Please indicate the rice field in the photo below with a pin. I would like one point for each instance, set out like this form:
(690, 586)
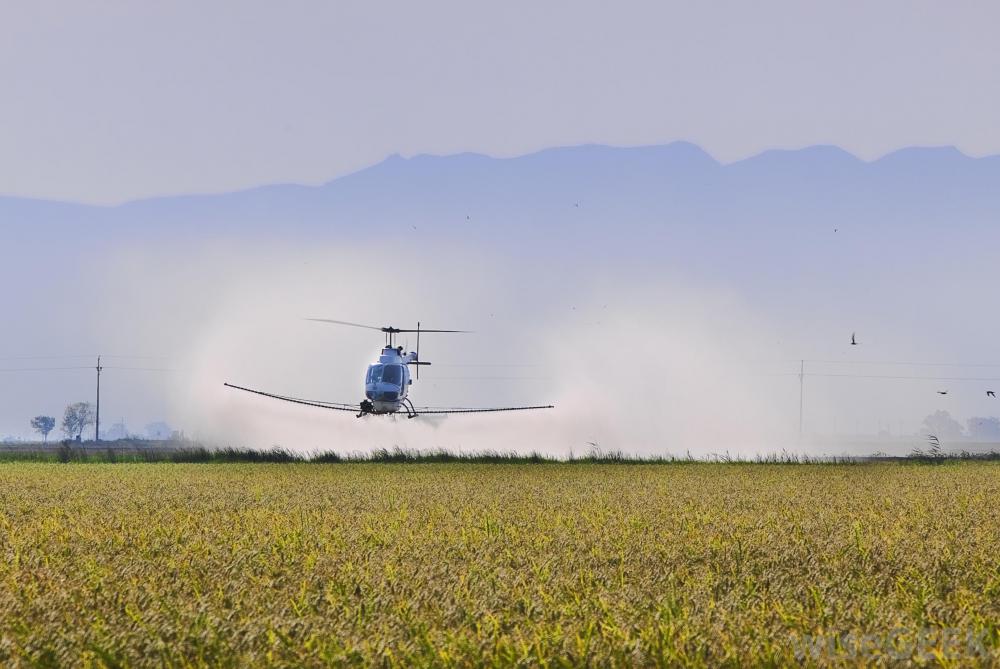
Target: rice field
(499, 565)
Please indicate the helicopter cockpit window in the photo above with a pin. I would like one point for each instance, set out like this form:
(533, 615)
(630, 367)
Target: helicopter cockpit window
(392, 374)
(374, 374)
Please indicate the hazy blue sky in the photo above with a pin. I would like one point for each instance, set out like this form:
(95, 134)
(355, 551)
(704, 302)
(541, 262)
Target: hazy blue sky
(106, 101)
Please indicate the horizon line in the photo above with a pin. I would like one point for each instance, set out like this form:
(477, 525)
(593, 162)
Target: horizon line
(563, 147)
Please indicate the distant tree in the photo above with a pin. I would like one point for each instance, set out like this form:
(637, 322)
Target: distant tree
(941, 423)
(43, 425)
(115, 432)
(77, 417)
(985, 428)
(158, 430)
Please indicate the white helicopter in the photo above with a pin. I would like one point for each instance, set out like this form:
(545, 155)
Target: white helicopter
(388, 381)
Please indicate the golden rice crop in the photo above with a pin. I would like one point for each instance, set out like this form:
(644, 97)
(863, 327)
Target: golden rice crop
(548, 565)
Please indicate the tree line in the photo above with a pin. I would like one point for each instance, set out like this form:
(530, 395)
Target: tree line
(77, 417)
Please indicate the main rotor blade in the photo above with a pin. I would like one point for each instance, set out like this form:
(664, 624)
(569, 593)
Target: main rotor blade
(387, 328)
(355, 325)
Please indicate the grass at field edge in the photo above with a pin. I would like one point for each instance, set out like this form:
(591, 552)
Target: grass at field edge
(135, 452)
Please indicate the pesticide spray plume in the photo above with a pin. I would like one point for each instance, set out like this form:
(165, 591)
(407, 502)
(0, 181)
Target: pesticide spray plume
(637, 360)
(646, 370)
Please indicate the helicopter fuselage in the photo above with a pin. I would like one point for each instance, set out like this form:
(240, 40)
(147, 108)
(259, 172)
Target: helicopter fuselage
(387, 381)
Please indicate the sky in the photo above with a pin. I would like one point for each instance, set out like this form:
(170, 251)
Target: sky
(104, 102)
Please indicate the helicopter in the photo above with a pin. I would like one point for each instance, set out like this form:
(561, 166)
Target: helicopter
(388, 380)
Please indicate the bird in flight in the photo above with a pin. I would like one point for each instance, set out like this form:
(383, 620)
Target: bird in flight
(990, 393)
(854, 342)
(942, 392)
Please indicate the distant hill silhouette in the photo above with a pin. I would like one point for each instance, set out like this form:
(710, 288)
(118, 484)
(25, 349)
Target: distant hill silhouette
(819, 214)
(576, 190)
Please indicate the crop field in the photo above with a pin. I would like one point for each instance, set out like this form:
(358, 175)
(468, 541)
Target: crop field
(464, 564)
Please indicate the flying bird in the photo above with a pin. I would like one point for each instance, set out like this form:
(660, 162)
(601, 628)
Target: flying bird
(854, 342)
(942, 392)
(990, 393)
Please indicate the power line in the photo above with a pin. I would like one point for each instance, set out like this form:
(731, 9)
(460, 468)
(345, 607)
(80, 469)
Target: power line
(907, 378)
(137, 357)
(39, 369)
(42, 357)
(82, 356)
(912, 364)
(62, 369)
(881, 376)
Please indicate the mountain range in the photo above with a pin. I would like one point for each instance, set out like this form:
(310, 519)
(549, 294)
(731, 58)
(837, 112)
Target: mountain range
(565, 190)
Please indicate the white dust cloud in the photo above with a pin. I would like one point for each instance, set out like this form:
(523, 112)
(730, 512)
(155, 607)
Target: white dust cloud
(648, 367)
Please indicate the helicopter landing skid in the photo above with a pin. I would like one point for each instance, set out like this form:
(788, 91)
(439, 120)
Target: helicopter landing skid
(410, 411)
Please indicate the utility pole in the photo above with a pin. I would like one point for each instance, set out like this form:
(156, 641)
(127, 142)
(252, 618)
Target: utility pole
(97, 420)
(802, 376)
